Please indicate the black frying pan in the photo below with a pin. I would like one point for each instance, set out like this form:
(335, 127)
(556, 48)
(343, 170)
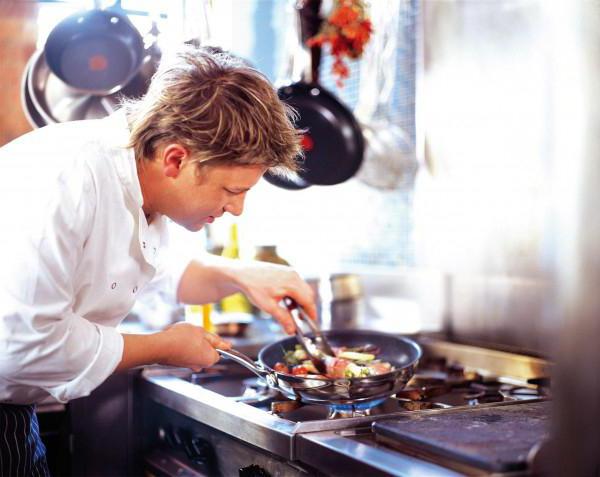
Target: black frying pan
(402, 353)
(290, 183)
(333, 144)
(97, 51)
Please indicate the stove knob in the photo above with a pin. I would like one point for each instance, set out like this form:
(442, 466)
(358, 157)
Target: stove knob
(253, 471)
(200, 451)
(172, 437)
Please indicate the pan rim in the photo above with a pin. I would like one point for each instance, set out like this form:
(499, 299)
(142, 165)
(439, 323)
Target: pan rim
(377, 377)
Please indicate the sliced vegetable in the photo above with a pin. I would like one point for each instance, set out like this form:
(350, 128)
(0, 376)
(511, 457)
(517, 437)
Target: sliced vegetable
(281, 368)
(290, 358)
(348, 363)
(356, 356)
(380, 367)
(299, 371)
(336, 367)
(310, 367)
(300, 354)
(355, 371)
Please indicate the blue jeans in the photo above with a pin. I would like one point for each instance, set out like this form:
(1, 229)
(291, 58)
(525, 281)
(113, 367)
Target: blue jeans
(22, 452)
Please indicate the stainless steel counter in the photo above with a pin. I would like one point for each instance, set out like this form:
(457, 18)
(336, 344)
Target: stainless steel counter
(264, 430)
(334, 447)
(333, 453)
(329, 451)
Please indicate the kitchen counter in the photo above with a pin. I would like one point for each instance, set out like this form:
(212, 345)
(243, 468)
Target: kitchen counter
(179, 412)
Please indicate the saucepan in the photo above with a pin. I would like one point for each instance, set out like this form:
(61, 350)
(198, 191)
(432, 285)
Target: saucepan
(402, 353)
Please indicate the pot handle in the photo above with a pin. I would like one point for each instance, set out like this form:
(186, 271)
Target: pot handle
(245, 361)
(310, 23)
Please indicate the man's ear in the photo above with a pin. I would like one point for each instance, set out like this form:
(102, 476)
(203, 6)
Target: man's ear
(172, 158)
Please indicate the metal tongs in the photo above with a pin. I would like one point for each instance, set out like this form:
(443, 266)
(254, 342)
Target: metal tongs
(317, 349)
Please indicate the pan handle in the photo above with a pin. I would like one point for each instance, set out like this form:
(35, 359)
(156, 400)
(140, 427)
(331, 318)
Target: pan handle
(250, 364)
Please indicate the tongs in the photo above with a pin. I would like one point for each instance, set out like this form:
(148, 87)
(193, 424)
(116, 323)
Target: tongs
(315, 350)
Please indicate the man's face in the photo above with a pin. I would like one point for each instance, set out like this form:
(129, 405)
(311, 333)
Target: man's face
(199, 195)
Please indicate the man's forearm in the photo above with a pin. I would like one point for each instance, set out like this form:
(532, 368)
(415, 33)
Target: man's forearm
(139, 350)
(182, 344)
(216, 276)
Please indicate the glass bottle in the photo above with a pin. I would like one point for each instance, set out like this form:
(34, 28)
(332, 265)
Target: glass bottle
(236, 303)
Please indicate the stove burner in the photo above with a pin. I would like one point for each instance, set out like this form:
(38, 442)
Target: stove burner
(408, 405)
(353, 410)
(437, 384)
(437, 381)
(256, 391)
(480, 393)
(298, 411)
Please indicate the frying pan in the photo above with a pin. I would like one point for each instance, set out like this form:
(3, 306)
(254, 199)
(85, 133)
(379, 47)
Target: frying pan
(333, 143)
(34, 118)
(294, 182)
(402, 353)
(97, 51)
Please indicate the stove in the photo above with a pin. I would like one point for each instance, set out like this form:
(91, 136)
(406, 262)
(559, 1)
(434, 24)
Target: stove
(450, 380)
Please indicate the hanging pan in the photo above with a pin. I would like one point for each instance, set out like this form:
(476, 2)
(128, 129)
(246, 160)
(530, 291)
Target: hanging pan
(97, 51)
(333, 143)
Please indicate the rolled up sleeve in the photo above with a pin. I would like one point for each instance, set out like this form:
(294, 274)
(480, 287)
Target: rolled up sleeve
(102, 355)
(66, 357)
(45, 347)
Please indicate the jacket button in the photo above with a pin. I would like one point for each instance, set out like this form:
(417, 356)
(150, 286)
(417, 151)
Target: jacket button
(114, 285)
(144, 244)
(134, 289)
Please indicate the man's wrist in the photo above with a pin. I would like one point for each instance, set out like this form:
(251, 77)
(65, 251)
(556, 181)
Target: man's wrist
(140, 350)
(161, 344)
(228, 269)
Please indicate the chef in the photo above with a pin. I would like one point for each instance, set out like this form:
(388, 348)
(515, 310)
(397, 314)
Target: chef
(84, 209)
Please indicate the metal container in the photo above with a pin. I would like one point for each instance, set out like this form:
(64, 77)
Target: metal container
(341, 301)
(48, 100)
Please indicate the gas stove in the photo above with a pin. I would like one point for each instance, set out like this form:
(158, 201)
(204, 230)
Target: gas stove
(451, 379)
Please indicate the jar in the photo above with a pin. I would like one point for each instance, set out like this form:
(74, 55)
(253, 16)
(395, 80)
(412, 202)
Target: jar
(343, 303)
(268, 253)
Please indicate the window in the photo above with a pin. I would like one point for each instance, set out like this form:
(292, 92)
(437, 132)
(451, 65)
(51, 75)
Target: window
(335, 227)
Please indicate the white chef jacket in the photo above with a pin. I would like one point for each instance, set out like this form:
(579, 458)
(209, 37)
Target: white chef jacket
(75, 252)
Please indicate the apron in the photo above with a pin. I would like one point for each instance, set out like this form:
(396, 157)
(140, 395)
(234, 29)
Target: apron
(22, 452)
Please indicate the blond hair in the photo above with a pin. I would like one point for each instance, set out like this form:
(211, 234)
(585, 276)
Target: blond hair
(219, 108)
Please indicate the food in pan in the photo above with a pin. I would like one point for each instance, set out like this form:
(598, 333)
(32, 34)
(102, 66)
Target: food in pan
(348, 362)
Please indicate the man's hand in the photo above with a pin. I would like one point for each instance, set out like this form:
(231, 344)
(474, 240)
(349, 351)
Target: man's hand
(190, 346)
(181, 344)
(266, 285)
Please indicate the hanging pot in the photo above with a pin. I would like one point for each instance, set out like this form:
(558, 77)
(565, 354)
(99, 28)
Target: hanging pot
(97, 51)
(33, 116)
(333, 143)
(292, 182)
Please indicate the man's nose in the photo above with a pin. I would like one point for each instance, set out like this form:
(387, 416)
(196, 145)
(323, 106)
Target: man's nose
(235, 206)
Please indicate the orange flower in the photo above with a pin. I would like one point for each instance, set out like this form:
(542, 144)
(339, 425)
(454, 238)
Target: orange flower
(347, 31)
(343, 16)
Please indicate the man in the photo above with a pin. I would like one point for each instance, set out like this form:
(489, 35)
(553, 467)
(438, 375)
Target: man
(84, 208)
